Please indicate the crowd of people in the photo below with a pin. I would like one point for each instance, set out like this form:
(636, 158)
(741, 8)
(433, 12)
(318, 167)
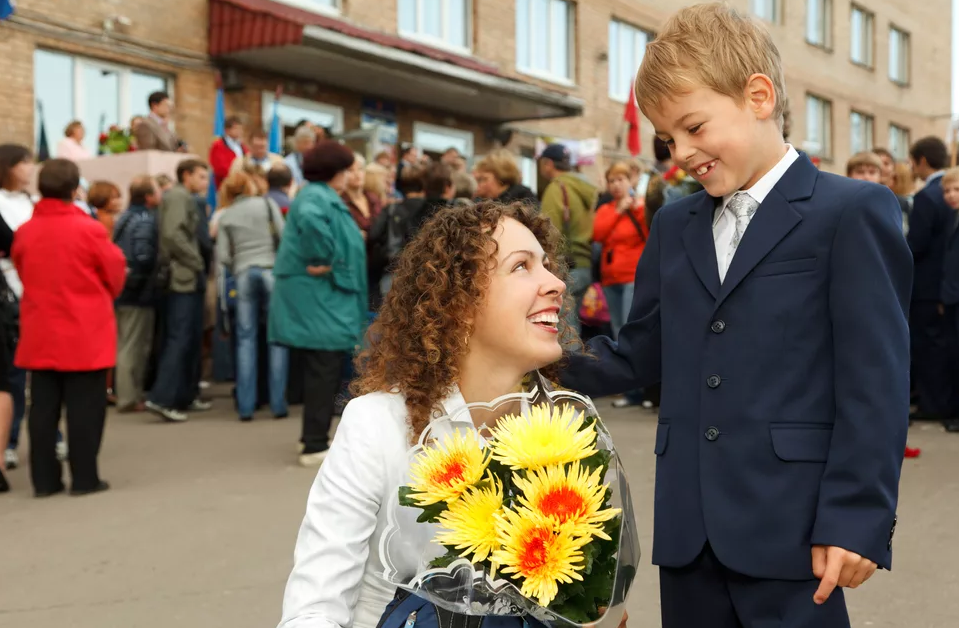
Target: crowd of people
(242, 287)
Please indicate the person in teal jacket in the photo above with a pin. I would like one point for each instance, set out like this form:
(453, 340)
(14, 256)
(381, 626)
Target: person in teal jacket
(319, 303)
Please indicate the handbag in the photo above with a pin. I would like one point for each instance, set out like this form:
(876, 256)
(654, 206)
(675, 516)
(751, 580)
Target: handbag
(594, 311)
(411, 611)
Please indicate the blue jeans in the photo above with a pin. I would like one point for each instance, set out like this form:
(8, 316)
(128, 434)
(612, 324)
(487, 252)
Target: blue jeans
(253, 289)
(619, 298)
(175, 385)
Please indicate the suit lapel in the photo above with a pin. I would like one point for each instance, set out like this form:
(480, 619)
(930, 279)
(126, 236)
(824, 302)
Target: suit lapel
(699, 243)
(773, 221)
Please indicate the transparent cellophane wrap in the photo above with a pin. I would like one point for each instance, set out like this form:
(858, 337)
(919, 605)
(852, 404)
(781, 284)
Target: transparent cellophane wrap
(407, 547)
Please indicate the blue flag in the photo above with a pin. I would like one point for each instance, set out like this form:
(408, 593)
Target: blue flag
(7, 8)
(276, 130)
(219, 120)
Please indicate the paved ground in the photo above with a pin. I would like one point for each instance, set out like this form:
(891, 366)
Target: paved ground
(199, 531)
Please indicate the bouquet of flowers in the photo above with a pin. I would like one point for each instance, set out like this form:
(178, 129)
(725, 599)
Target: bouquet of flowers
(116, 140)
(530, 516)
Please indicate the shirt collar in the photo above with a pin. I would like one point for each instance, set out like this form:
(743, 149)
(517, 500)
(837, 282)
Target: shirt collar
(934, 176)
(761, 189)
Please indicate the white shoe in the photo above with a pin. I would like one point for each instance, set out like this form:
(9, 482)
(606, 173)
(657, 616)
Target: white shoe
(313, 460)
(168, 414)
(199, 405)
(62, 453)
(11, 459)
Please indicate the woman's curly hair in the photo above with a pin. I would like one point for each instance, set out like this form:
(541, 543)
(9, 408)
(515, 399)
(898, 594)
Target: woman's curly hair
(439, 282)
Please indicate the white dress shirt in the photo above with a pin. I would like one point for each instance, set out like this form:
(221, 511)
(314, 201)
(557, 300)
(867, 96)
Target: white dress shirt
(724, 222)
(337, 580)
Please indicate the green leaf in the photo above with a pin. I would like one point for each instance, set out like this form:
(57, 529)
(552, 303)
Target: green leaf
(431, 513)
(576, 612)
(405, 499)
(590, 552)
(599, 460)
(445, 560)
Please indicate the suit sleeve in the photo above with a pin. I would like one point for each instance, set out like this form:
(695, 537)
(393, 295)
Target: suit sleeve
(922, 225)
(177, 235)
(869, 292)
(146, 138)
(633, 360)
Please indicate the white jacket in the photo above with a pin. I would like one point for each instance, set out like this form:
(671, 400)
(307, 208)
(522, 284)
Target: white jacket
(336, 579)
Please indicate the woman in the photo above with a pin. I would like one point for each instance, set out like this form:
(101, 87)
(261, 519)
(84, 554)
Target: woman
(71, 274)
(8, 330)
(620, 227)
(475, 306)
(107, 203)
(71, 146)
(498, 177)
(249, 232)
(16, 208)
(319, 304)
(378, 183)
(364, 205)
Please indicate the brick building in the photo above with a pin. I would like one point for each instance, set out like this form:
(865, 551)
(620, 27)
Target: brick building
(463, 73)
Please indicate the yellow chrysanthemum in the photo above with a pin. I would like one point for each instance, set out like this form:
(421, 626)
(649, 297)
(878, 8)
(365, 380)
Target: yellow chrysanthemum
(443, 473)
(573, 497)
(542, 437)
(470, 522)
(539, 553)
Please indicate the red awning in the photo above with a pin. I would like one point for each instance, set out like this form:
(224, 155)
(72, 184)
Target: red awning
(240, 25)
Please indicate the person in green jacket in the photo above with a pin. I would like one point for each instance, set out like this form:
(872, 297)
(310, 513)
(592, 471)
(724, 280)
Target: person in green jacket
(319, 302)
(568, 202)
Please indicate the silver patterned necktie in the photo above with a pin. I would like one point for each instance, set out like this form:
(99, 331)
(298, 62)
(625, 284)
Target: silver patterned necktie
(743, 206)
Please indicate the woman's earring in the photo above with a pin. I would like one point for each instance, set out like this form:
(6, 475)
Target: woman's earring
(467, 340)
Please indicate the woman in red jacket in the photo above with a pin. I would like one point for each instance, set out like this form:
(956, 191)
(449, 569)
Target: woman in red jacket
(71, 274)
(620, 226)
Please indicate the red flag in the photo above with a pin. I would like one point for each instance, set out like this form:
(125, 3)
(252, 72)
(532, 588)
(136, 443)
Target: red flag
(632, 117)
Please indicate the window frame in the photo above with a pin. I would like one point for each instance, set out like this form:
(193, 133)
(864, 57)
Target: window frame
(439, 42)
(906, 133)
(868, 34)
(266, 109)
(78, 97)
(869, 138)
(425, 127)
(826, 7)
(905, 49)
(314, 7)
(531, 40)
(776, 10)
(635, 31)
(826, 123)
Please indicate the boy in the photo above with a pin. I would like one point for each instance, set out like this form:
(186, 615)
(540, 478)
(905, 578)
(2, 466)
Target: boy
(865, 166)
(772, 306)
(949, 293)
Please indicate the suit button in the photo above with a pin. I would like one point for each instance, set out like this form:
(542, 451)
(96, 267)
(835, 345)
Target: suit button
(718, 327)
(713, 381)
(712, 433)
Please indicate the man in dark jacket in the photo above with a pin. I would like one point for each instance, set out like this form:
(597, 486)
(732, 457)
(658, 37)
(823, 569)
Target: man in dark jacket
(136, 234)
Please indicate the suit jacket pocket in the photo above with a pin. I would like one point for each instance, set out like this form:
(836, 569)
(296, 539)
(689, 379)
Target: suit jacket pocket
(785, 267)
(801, 442)
(662, 438)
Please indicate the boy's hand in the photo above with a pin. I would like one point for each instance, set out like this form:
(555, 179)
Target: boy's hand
(835, 566)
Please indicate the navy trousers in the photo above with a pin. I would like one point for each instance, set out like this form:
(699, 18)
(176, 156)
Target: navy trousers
(932, 359)
(705, 594)
(177, 383)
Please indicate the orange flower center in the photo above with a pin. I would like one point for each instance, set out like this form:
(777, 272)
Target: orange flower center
(535, 552)
(562, 502)
(450, 472)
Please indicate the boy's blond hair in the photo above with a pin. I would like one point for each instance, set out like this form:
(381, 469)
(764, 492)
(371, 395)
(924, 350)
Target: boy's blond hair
(865, 158)
(950, 176)
(709, 45)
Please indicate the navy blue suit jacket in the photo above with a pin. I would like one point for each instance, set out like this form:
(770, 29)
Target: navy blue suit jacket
(785, 388)
(930, 225)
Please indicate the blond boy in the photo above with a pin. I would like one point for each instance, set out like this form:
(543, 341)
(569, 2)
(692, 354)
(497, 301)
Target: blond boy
(772, 307)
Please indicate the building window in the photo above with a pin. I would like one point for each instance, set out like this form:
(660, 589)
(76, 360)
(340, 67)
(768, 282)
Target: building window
(765, 10)
(899, 142)
(99, 94)
(819, 23)
(627, 45)
(860, 132)
(317, 6)
(898, 55)
(861, 37)
(544, 31)
(818, 127)
(292, 111)
(436, 140)
(529, 167)
(444, 22)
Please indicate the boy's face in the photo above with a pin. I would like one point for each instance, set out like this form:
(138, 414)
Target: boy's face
(712, 137)
(866, 173)
(950, 191)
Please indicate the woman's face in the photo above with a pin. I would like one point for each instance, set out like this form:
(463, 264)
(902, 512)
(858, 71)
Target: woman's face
(487, 185)
(357, 175)
(79, 133)
(619, 186)
(21, 175)
(115, 206)
(516, 326)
